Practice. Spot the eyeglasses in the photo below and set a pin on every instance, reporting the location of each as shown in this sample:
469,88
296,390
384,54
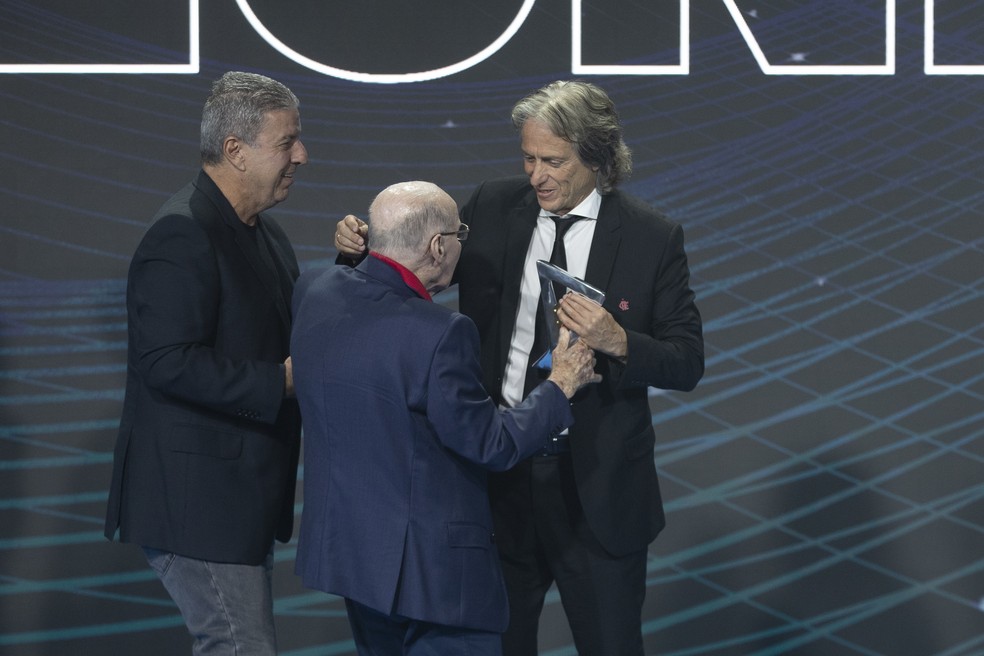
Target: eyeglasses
461,233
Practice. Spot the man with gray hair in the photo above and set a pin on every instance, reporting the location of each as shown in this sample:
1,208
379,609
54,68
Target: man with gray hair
582,512
206,457
399,433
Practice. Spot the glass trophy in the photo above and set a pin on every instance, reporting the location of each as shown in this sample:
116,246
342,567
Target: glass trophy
550,274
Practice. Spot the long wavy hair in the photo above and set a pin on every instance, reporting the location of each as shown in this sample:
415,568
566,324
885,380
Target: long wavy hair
584,115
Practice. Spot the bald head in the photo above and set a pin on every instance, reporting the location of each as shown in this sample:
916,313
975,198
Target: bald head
405,222
404,217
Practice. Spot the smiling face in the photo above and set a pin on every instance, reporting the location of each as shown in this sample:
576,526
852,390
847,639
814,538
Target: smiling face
271,161
558,175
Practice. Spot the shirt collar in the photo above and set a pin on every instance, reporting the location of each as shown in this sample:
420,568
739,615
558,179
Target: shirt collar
587,208
412,281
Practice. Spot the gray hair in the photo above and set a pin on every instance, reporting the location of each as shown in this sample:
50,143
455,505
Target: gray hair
404,217
238,106
584,115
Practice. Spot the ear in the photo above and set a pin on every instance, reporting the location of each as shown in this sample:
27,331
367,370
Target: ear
233,152
436,248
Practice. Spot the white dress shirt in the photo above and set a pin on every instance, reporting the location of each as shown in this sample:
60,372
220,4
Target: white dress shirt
577,242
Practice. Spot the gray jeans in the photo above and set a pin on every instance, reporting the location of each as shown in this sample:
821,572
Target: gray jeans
227,608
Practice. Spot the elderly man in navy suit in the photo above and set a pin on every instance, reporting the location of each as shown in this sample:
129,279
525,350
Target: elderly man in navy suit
399,433
582,515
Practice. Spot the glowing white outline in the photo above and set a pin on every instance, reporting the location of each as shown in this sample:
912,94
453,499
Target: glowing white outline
386,78
930,67
683,68
192,67
577,67
888,68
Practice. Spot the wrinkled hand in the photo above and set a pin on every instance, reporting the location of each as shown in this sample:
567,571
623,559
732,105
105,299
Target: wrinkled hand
350,236
594,324
572,364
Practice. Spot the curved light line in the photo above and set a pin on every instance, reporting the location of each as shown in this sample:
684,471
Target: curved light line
386,78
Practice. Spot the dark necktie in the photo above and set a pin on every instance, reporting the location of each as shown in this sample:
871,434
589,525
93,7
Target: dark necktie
541,334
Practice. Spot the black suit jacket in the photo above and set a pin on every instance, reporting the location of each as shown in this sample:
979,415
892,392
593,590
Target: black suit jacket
206,456
637,257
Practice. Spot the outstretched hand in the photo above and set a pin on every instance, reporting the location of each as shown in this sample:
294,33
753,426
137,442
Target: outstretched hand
572,364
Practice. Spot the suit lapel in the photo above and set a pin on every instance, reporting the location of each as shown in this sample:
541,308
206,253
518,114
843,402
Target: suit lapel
275,277
263,267
249,247
604,244
521,224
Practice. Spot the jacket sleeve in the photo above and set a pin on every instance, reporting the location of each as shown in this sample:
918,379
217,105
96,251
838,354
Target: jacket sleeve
174,296
671,354
467,421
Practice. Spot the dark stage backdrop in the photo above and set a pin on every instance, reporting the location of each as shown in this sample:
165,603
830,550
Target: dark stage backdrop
824,483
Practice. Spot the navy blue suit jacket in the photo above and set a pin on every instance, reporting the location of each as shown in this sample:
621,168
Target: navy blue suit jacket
206,456
398,435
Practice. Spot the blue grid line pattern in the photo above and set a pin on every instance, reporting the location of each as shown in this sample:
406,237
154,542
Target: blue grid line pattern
823,483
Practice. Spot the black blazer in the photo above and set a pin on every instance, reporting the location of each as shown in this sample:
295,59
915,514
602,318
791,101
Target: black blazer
637,256
206,457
